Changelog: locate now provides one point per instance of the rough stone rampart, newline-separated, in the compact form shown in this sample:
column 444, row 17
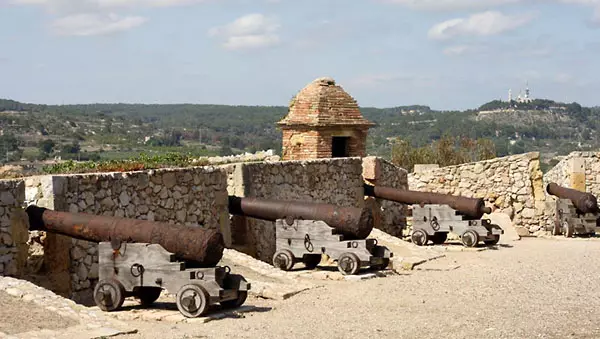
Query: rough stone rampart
column 13, row 229
column 390, row 216
column 511, row 184
column 193, row 196
column 334, row 181
column 198, row 196
column 577, row 170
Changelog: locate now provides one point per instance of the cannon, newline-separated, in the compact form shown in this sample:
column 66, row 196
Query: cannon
column 306, row 230
column 140, row 258
column 575, row 212
column 435, row 215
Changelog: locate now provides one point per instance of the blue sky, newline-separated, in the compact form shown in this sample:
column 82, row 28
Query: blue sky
column 448, row 54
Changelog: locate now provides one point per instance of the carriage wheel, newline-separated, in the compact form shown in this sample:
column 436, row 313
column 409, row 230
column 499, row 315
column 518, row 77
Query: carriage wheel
column 348, row 264
column 192, row 301
column 109, row 295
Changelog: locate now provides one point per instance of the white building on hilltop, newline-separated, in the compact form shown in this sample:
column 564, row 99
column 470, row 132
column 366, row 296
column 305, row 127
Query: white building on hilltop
column 521, row 98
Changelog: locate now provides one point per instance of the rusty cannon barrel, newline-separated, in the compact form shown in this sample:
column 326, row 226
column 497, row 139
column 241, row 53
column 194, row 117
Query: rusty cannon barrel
column 471, row 207
column 583, row 201
column 353, row 223
column 195, row 244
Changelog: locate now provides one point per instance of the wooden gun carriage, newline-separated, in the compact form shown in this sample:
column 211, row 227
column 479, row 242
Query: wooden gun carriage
column 140, row 258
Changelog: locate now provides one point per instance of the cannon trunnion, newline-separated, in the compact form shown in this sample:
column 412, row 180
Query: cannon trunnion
column 143, row 270
column 575, row 212
column 306, row 240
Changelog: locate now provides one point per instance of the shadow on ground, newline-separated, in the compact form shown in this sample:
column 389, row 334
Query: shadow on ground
column 216, row 308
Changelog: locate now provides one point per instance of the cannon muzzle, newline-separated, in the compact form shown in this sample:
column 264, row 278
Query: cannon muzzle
column 583, row 201
column 471, row 207
column 352, row 222
column 195, row 244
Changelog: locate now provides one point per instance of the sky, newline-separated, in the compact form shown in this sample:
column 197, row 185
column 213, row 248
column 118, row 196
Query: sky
column 447, row 54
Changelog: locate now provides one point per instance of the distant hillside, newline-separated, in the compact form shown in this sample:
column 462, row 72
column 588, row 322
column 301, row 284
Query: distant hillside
column 120, row 130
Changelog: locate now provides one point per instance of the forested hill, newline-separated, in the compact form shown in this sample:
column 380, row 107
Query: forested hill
column 109, row 130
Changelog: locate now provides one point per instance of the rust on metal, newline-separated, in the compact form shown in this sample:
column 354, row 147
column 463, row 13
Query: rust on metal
column 585, row 202
column 195, row 244
column 472, row 207
column 352, row 222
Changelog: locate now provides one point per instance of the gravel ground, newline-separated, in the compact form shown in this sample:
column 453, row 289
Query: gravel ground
column 539, row 288
column 19, row 316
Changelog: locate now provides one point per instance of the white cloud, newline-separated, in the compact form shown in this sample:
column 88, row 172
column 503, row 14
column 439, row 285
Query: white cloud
column 104, row 4
column 250, row 41
column 449, row 5
column 94, row 17
column 145, row 3
column 581, row 2
column 522, row 48
column 94, row 24
column 481, row 24
column 596, row 15
column 248, row 31
column 461, row 5
column 457, row 50
column 563, row 78
column 444, row 5
column 29, row 2
column 382, row 80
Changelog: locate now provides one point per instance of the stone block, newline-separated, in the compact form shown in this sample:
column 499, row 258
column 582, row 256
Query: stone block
column 371, row 168
column 503, row 220
column 522, row 231
column 425, row 168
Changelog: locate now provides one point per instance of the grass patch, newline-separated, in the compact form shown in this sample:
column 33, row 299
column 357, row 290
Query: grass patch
column 138, row 163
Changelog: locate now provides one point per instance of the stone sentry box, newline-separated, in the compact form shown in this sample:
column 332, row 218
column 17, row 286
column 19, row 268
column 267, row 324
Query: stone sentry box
column 192, row 196
column 323, row 122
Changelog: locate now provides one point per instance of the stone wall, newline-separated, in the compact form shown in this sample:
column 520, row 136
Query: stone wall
column 512, row 185
column 49, row 254
column 268, row 155
column 192, row 196
column 390, row 216
column 13, row 228
column 335, row 181
column 578, row 170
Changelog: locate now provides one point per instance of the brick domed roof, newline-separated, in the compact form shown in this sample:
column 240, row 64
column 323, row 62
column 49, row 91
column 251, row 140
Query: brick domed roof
column 323, row 103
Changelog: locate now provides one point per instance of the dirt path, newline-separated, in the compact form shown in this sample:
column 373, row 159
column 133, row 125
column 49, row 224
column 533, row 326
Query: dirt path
column 540, row 288
column 19, row 316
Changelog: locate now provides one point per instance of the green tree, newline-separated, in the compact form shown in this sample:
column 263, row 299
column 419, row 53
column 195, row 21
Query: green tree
column 46, row 147
column 486, row 149
column 9, row 148
column 72, row 148
column 518, row 147
column 446, row 151
column 9, row 142
column 225, row 151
